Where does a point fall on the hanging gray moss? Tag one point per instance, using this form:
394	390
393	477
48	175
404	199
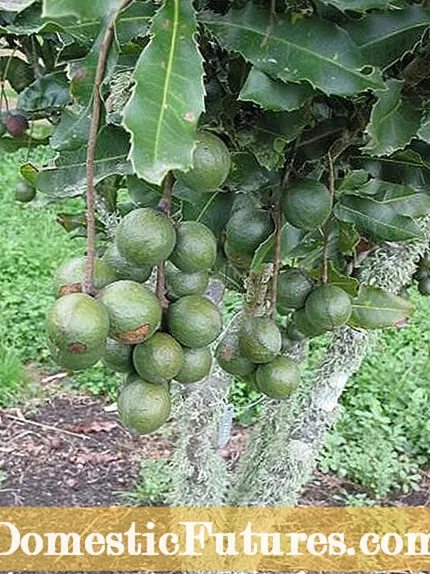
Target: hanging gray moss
283	449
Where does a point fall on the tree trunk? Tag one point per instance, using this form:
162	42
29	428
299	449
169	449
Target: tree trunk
283	449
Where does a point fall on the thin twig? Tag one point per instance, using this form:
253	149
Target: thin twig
277	258
326	227
47	427
278	243
92	142
3	80
165	207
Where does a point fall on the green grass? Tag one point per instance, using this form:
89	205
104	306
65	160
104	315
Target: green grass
32	246
384	430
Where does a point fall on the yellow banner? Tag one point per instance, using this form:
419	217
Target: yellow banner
215	539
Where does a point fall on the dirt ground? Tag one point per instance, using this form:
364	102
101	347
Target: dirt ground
72	451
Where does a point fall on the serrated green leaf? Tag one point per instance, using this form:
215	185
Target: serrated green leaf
131	23
401	198
357	5
424	131
274	95
393	122
376	220
67	178
305	50
15	5
81	9
51	91
270	134
168	98
375	308
385	37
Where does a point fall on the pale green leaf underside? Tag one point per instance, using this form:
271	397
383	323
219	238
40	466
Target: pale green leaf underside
375	308
307	50
15	5
168	98
393	122
81	9
274	95
376	220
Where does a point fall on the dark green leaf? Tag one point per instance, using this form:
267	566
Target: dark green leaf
168	99
403	167
72	132
274	95
134	22
376	220
393	122
385	37
268	137
67	178
83	71
353	180
358	5
402	199
48	92
307	50
212	209
246	175
264	253
81	9
348	284
142	193
375	308
19	73
11	145
291	237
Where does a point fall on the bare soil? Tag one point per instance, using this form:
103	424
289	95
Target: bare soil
72	451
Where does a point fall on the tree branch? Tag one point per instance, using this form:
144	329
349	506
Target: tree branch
91	152
278	243
326	227
164	206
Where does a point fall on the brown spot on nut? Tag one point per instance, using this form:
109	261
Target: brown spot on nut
77	348
136	336
69	289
